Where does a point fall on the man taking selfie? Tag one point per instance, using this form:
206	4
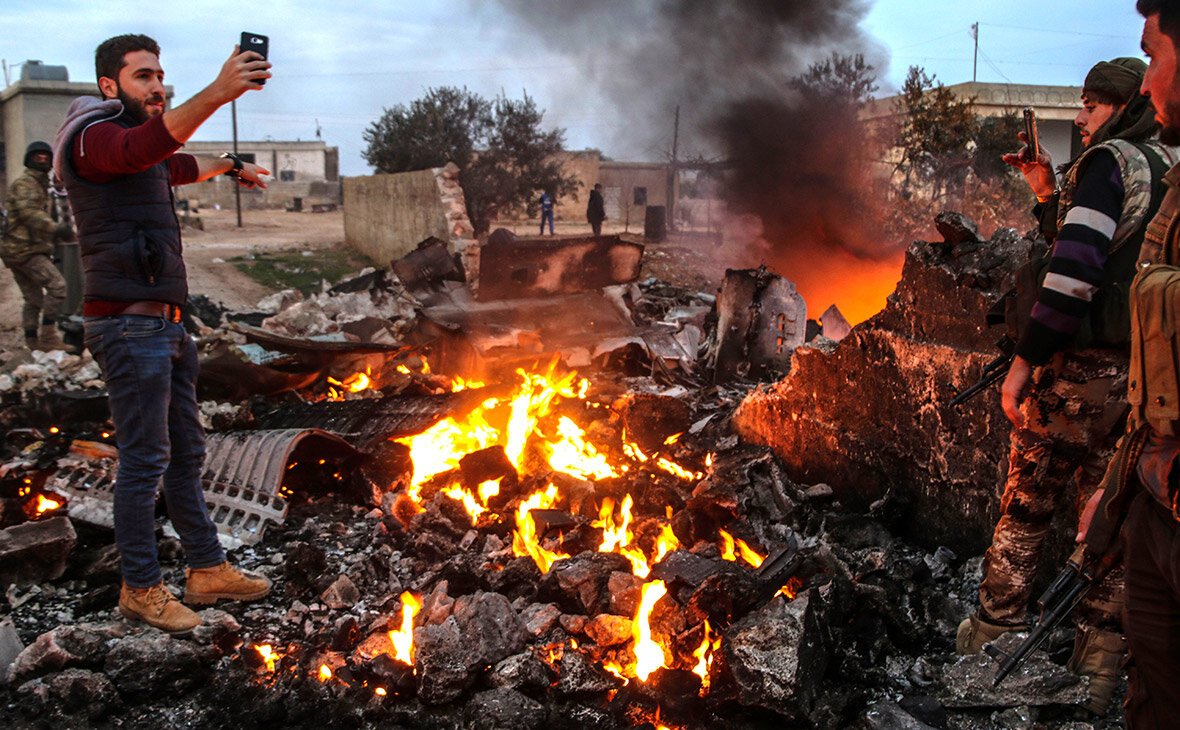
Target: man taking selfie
118	158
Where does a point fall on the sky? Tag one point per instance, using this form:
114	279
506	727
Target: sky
338	66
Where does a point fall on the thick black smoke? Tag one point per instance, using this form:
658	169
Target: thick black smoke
793	159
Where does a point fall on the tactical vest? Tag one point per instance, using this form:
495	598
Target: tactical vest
128	233
1142	166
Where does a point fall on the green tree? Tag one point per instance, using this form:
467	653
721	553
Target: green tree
937	134
505	158
846	81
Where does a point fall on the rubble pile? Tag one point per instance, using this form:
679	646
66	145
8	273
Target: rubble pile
622	559
869	417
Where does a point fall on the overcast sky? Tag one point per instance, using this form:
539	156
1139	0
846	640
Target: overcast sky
338	65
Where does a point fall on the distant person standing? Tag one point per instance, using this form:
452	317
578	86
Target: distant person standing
546	212
27	249
596	209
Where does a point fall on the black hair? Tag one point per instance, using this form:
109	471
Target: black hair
1169	12
110	56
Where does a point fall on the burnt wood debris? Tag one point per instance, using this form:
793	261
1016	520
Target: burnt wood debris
546	493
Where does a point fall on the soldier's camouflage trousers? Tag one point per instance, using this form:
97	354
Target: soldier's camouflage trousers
1073	417
43	288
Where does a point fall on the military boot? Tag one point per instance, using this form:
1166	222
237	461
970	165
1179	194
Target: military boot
156	606
50	339
206	585
974	632
1098	655
31	339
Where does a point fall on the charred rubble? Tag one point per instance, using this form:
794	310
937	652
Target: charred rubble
690	541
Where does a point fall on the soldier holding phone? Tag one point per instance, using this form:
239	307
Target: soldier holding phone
1063	392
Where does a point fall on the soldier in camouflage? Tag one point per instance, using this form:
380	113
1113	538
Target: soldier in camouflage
1063	393
27	249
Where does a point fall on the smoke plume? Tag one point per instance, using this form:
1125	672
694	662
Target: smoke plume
792	159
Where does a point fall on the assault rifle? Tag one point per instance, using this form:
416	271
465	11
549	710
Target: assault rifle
992	372
1058	601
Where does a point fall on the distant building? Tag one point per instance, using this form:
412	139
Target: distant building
302	174
1055	107
32	108
628	188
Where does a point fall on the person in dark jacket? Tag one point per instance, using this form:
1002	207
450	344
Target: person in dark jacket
118	158
596	209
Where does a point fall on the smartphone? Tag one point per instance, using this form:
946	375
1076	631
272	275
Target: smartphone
257	43
1030	131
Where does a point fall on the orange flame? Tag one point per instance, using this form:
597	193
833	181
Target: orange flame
325	673
403	638
747	553
45	504
354	383
791	589
526	541
268	655
649	656
704	655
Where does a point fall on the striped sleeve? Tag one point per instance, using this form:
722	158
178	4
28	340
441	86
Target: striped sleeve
1078	262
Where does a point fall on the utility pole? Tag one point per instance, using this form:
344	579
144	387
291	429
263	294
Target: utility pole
233	108
673	173
975	62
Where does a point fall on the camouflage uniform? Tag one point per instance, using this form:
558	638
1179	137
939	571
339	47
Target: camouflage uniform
27	249
1073	414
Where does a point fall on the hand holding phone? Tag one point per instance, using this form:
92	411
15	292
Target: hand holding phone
1033	151
255	42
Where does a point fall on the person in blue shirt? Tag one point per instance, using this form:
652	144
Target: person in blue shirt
546	212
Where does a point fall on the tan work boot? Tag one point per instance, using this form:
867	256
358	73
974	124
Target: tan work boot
974	632
50	339
156	606
206	585
1098	655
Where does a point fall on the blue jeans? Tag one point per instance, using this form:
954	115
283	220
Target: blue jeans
150	366
547	215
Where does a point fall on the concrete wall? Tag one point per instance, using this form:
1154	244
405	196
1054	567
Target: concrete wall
621	180
386	216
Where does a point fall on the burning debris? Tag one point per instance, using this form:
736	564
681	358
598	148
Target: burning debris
466	529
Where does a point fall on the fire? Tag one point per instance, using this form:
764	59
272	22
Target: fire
325	673
526	541
403	638
704	655
792	587
632	450
616	536
573	455
747	553
439	448
268	655
354	383
649	656
45	504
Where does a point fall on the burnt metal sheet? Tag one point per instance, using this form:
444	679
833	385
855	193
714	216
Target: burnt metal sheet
515	268
761	320
365	419
243	479
89	490
310	349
